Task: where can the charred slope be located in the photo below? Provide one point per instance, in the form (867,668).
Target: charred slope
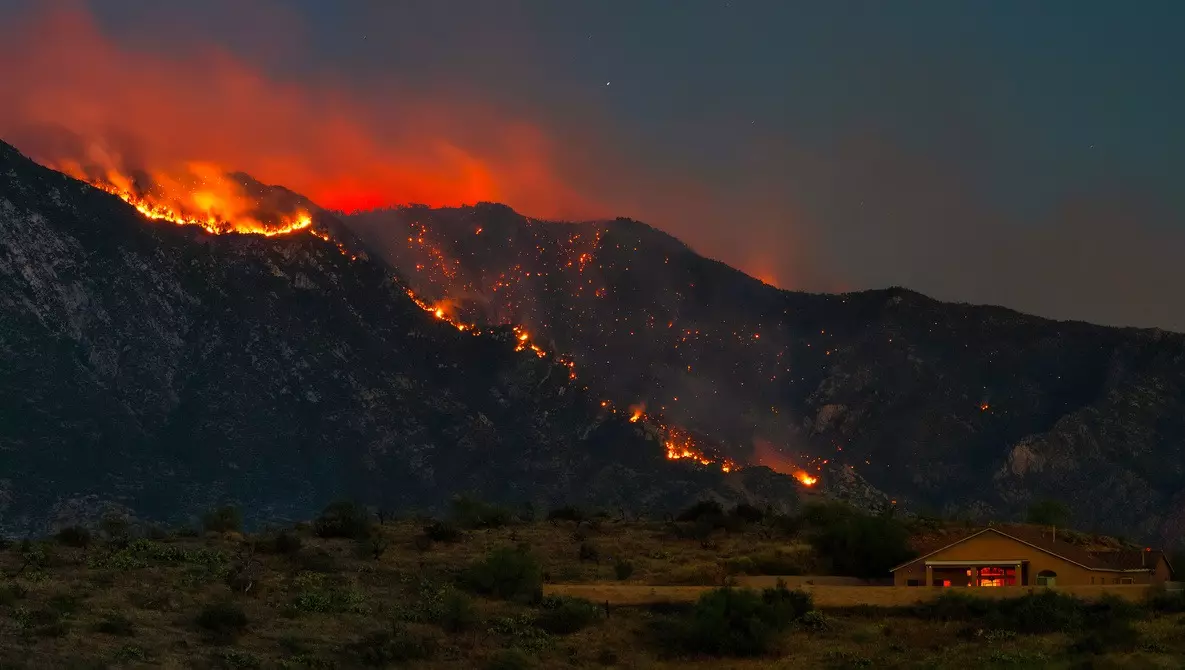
(163,369)
(949,407)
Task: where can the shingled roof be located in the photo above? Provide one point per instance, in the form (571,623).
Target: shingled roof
(1046,541)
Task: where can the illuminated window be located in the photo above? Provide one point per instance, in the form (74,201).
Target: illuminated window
(997,576)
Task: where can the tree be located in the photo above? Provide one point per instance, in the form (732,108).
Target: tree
(1049,513)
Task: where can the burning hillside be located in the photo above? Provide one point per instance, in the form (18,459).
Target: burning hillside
(584,288)
(205,196)
(198,194)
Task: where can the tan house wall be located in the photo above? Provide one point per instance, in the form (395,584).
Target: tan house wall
(992,547)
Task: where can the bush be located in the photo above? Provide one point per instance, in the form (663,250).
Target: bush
(225,519)
(470,513)
(442,531)
(74,536)
(562,615)
(284,542)
(1169,602)
(732,622)
(567,513)
(510,659)
(774,562)
(115,624)
(1034,613)
(507,573)
(748,513)
(223,619)
(1117,637)
(589,552)
(623,569)
(701,509)
(343,519)
(398,645)
(457,613)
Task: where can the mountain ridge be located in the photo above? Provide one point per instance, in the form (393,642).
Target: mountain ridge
(951,408)
(157,370)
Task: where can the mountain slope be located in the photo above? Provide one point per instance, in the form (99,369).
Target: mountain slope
(954,408)
(162,369)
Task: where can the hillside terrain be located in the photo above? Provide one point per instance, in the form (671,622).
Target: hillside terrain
(950,409)
(348,592)
(157,369)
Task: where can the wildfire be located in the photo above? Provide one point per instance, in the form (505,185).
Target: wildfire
(199,194)
(805,479)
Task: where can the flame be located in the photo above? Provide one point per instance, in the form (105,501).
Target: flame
(197,194)
(805,478)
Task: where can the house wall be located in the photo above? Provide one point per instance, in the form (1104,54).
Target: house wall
(991,546)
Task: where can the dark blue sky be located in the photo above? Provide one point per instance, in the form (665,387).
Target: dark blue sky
(1029,154)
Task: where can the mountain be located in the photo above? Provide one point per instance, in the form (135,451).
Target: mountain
(949,408)
(158,369)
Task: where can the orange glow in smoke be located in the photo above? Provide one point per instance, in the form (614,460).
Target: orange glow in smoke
(345,149)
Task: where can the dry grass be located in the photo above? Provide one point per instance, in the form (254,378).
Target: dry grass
(305,610)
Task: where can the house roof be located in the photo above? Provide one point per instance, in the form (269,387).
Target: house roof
(1131,559)
(1042,540)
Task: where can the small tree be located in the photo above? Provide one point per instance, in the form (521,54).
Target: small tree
(224,519)
(507,573)
(343,519)
(1049,513)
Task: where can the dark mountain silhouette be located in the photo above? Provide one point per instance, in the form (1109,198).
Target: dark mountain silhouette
(950,408)
(156,368)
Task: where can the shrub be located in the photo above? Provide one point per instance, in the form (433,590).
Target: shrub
(748,513)
(701,509)
(732,622)
(236,658)
(1162,600)
(510,659)
(814,620)
(223,619)
(457,613)
(589,552)
(441,531)
(115,624)
(1120,636)
(397,645)
(623,569)
(784,606)
(470,513)
(74,536)
(284,542)
(507,573)
(521,632)
(343,519)
(563,615)
(567,513)
(223,519)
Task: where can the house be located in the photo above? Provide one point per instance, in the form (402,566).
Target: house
(1029,556)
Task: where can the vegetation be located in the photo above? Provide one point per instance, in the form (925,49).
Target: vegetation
(486,594)
(1048,513)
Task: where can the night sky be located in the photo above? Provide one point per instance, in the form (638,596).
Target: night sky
(1028,154)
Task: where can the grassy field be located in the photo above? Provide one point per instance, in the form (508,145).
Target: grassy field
(397,598)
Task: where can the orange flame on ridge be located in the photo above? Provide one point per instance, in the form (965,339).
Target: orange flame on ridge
(199,194)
